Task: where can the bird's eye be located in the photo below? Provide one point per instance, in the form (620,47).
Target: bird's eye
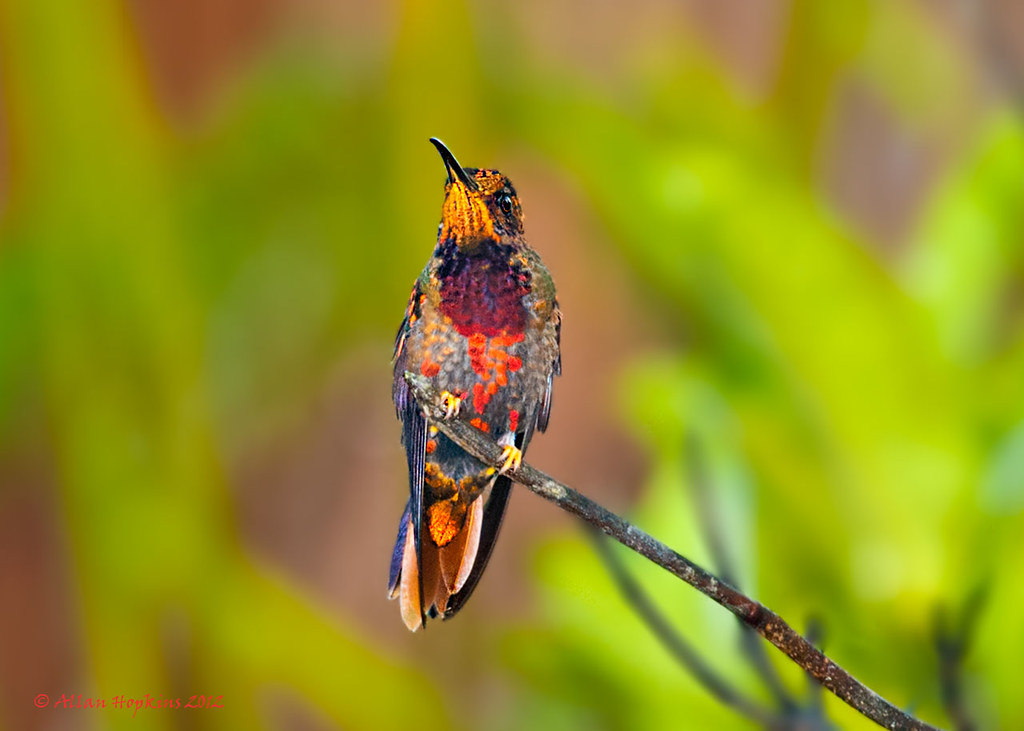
(505,203)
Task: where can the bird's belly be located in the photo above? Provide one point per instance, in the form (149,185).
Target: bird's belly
(493,374)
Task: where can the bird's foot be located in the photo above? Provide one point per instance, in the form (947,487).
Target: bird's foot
(451,404)
(511,457)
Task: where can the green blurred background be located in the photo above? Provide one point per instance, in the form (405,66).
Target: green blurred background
(792,229)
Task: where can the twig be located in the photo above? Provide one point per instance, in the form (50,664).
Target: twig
(793,717)
(952,641)
(766,622)
(676,643)
(753,649)
(815,694)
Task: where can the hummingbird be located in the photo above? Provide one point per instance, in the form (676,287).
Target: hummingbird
(483,324)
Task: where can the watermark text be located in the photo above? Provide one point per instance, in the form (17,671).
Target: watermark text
(124,703)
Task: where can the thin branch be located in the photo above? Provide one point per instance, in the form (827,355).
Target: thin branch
(753,649)
(815,693)
(951,652)
(952,642)
(675,643)
(793,714)
(766,622)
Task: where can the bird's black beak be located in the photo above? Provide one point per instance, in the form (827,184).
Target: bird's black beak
(455,171)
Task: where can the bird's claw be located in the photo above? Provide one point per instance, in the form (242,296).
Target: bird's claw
(511,458)
(451,404)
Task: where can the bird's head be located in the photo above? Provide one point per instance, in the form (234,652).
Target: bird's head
(479,205)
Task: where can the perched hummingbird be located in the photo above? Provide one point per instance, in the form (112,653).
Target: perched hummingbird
(483,324)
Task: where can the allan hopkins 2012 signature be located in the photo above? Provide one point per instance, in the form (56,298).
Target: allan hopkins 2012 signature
(121,702)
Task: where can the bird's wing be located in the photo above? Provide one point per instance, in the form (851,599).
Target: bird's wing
(556,370)
(414,433)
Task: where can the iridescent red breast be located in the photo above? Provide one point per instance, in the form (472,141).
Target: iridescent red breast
(483,295)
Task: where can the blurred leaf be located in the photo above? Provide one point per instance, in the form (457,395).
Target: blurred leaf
(1002,491)
(968,253)
(19,330)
